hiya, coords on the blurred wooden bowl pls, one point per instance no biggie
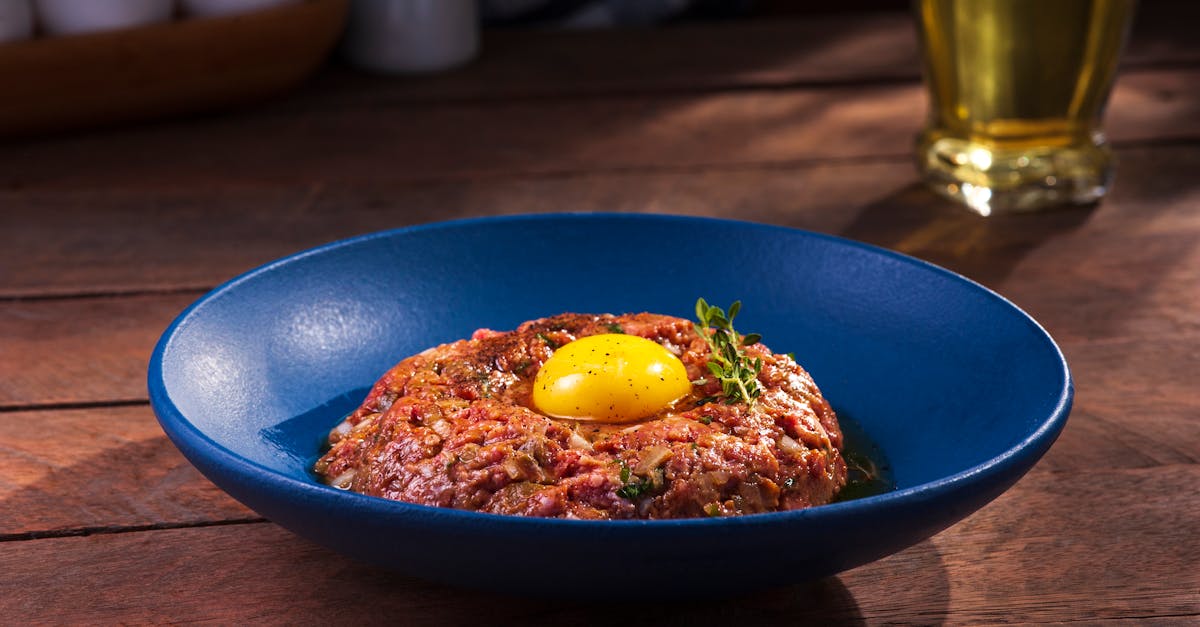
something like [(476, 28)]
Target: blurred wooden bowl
[(189, 65)]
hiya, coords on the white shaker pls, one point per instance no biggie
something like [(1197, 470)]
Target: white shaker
[(411, 36), (16, 20), (217, 8), (67, 17)]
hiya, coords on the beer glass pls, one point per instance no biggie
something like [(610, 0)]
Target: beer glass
[(1017, 89)]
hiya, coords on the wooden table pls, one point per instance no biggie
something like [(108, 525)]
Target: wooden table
[(105, 236)]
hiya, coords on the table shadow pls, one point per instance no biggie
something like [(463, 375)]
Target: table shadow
[(915, 221), (910, 587)]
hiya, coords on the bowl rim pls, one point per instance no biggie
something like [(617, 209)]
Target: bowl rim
[(191, 439)]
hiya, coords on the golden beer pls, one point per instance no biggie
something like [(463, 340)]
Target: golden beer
[(1017, 89)]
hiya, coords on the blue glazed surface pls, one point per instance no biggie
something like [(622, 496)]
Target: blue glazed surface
[(962, 391)]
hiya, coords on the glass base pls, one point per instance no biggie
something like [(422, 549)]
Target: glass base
[(988, 180)]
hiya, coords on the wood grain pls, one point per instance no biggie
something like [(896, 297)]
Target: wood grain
[(105, 236), (1011, 562), (1008, 562), (100, 345), (120, 240), (699, 56), (96, 350), (103, 468), (80, 351), (786, 52), (1110, 426), (108, 241), (371, 140), (96, 470)]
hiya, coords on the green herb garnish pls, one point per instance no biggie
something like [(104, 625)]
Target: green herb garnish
[(729, 363), (549, 342), (633, 487), (614, 328)]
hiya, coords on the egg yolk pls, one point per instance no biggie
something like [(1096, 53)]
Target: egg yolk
[(609, 378)]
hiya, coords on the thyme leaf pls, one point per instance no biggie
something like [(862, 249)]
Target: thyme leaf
[(729, 364)]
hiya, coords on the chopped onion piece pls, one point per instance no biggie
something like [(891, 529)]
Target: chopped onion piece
[(365, 420), (443, 428), (343, 480), (790, 446), (579, 442), (653, 458)]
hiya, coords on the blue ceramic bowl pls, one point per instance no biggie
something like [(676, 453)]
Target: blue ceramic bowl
[(962, 391)]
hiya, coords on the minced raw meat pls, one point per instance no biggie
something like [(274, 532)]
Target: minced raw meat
[(455, 426)]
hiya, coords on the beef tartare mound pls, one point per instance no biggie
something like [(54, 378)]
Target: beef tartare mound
[(457, 426)]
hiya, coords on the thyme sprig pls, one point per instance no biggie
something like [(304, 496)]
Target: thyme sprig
[(729, 364)]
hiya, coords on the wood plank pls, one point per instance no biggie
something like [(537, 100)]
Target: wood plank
[(1126, 389), (697, 56), (1105, 528), (81, 351), (370, 140), (1061, 541), (871, 46), (115, 240), (1040, 553), (118, 240), (102, 468), (1133, 260), (707, 56), (98, 241), (1047, 263), (694, 56), (75, 471), (858, 46), (1135, 405)]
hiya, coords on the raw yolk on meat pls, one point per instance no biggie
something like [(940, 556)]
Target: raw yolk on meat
[(609, 378)]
